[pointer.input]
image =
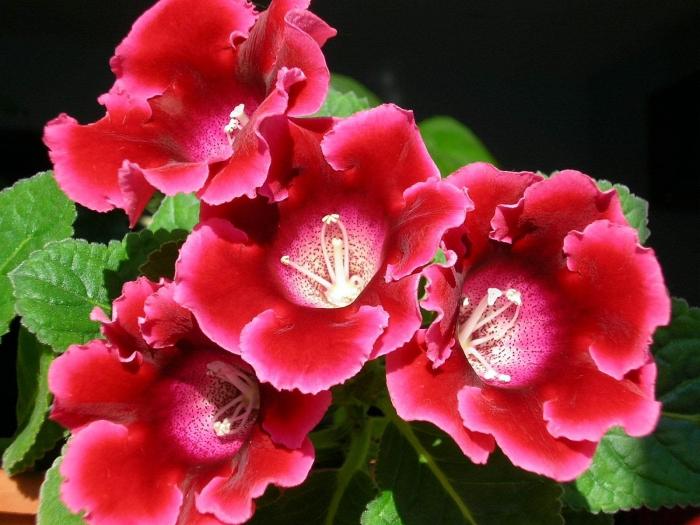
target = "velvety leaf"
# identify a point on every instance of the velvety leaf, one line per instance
(161, 263)
(52, 511)
(33, 212)
(311, 501)
(635, 208)
(345, 84)
(434, 484)
(451, 144)
(339, 104)
(57, 288)
(662, 469)
(179, 212)
(381, 511)
(36, 435)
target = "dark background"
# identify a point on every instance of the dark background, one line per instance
(610, 87)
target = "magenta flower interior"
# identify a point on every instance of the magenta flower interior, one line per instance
(310, 320)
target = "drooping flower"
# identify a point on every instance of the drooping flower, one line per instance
(200, 88)
(543, 326)
(182, 432)
(309, 288)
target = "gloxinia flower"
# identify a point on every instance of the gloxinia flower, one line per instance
(201, 86)
(309, 288)
(185, 433)
(543, 326)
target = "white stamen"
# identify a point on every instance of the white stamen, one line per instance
(237, 119)
(343, 288)
(481, 317)
(242, 405)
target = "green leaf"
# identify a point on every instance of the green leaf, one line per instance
(161, 262)
(635, 208)
(345, 84)
(32, 212)
(573, 517)
(311, 501)
(57, 288)
(338, 104)
(381, 511)
(662, 469)
(36, 435)
(433, 483)
(52, 511)
(451, 144)
(180, 212)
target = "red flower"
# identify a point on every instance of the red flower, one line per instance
(200, 87)
(543, 328)
(182, 434)
(310, 288)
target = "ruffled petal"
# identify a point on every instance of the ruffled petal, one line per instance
(119, 475)
(620, 291)
(90, 382)
(311, 349)
(399, 299)
(384, 150)
(515, 419)
(431, 208)
(550, 209)
(230, 497)
(223, 281)
(421, 393)
(165, 322)
(177, 38)
(584, 403)
(443, 296)
(288, 416)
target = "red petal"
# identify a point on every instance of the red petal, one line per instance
(90, 382)
(119, 475)
(311, 349)
(180, 37)
(550, 209)
(288, 416)
(420, 393)
(583, 403)
(230, 498)
(164, 321)
(620, 291)
(514, 418)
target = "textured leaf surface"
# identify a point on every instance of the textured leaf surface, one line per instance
(57, 288)
(662, 469)
(381, 511)
(451, 144)
(434, 484)
(52, 511)
(179, 212)
(33, 212)
(339, 104)
(36, 434)
(635, 208)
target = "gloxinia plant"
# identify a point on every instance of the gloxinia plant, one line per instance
(193, 104)
(543, 326)
(309, 325)
(184, 429)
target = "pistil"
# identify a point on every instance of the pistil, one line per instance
(341, 288)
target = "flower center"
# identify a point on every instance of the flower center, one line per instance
(340, 287)
(235, 416)
(237, 119)
(485, 325)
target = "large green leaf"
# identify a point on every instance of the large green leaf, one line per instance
(33, 212)
(433, 483)
(36, 434)
(339, 104)
(52, 511)
(345, 84)
(451, 144)
(57, 288)
(381, 511)
(664, 468)
(150, 253)
(179, 212)
(635, 208)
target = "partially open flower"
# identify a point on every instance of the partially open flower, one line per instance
(543, 329)
(310, 288)
(201, 86)
(185, 433)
